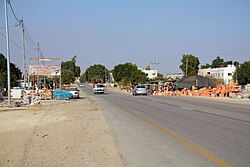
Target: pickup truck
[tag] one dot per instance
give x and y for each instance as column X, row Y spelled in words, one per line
column 98, row 88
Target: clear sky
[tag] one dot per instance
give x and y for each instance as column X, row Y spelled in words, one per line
column 111, row 32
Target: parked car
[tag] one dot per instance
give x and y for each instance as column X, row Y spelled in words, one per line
column 81, row 85
column 98, row 88
column 74, row 91
column 139, row 90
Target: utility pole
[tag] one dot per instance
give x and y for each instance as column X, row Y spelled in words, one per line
column 38, row 51
column 24, row 57
column 186, row 65
column 7, row 49
column 38, row 56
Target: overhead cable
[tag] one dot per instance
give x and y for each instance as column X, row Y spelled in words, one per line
column 29, row 37
column 18, row 46
column 13, row 12
column 10, row 26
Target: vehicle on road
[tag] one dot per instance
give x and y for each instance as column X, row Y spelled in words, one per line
column 98, row 88
column 81, row 85
column 139, row 90
column 74, row 91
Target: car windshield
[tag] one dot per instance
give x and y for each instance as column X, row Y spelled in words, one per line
column 72, row 89
column 141, row 86
column 100, row 86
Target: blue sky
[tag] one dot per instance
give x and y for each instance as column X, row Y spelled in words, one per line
column 111, row 32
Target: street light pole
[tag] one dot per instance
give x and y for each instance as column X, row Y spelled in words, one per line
column 7, row 50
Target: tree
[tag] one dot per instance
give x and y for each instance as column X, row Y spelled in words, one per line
column 128, row 73
column 73, row 59
column 68, row 76
column 70, row 66
column 160, row 77
column 190, row 64
column 148, row 68
column 96, row 72
column 225, row 64
column 205, row 66
column 218, row 62
column 242, row 73
column 77, row 71
column 83, row 78
column 15, row 73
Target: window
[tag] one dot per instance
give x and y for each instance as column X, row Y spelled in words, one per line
column 229, row 74
column 99, row 86
column 208, row 72
column 140, row 86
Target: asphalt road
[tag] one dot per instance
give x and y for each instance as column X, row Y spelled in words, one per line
column 177, row 131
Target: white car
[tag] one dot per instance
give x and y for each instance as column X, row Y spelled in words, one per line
column 74, row 91
column 139, row 90
column 98, row 88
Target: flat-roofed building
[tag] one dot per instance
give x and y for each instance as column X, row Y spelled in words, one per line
column 222, row 73
column 173, row 76
column 152, row 74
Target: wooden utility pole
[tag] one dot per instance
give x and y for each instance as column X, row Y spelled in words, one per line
column 24, row 56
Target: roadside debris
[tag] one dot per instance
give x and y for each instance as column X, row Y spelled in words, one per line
column 23, row 98
column 62, row 94
column 232, row 90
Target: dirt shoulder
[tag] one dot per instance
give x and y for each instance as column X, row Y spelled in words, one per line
column 69, row 133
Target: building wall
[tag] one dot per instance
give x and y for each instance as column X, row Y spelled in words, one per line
column 223, row 73
column 173, row 76
column 151, row 73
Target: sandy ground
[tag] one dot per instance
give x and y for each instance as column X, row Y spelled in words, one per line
column 63, row 133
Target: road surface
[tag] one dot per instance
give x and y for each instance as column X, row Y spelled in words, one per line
column 177, row 131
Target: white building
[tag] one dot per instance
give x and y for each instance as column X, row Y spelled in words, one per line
column 152, row 74
column 222, row 73
column 173, row 76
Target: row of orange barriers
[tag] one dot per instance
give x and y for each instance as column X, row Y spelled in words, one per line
column 220, row 90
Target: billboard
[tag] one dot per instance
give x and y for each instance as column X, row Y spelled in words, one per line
column 47, row 70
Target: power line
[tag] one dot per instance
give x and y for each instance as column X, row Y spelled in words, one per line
column 29, row 43
column 10, row 26
column 19, row 46
column 29, row 37
column 13, row 12
column 235, row 52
